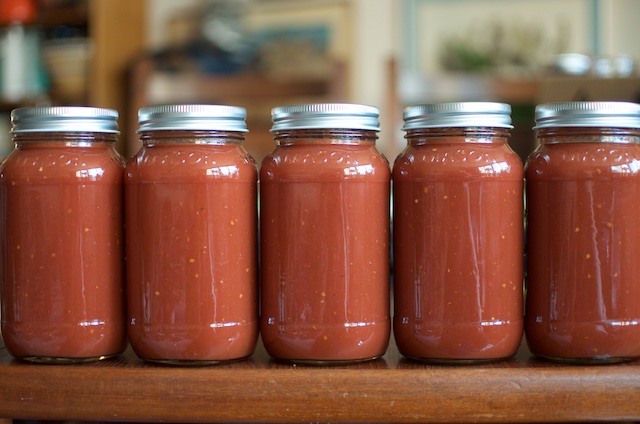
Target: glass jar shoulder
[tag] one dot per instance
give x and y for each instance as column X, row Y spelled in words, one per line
column 328, row 161
column 584, row 159
column 196, row 162
column 458, row 160
column 63, row 162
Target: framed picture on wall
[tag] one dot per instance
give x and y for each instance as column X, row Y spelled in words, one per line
column 512, row 37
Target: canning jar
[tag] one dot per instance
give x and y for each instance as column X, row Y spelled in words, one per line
column 583, row 233
column 458, row 234
column 62, row 230
column 192, row 236
column 324, row 204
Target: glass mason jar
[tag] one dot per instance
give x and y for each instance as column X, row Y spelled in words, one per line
column 324, row 204
column 583, row 233
column 458, row 235
column 62, row 236
column 191, row 198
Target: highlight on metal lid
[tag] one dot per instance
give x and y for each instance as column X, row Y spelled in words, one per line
column 64, row 119
column 192, row 117
column 457, row 114
column 326, row 115
column 588, row 114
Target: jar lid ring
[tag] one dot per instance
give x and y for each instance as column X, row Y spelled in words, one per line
column 457, row 115
column 192, row 117
column 64, row 119
column 345, row 116
column 607, row 114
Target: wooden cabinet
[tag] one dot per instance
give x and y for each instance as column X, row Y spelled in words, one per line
column 115, row 31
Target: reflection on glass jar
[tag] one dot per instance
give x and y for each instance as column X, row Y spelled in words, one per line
column 62, row 236
column 192, row 237
column 325, row 236
column 458, row 235
column 583, row 234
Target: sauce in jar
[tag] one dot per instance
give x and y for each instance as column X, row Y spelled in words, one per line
column 192, row 237
column 458, row 235
column 583, row 233
column 62, row 227
column 325, row 236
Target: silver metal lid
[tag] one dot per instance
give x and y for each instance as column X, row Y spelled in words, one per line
column 588, row 114
column 326, row 115
column 64, row 119
column 457, row 114
column 192, row 117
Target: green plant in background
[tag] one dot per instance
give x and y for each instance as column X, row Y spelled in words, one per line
column 499, row 47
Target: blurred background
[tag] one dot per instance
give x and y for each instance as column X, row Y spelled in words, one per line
column 126, row 54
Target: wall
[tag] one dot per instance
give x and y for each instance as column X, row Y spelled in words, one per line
column 376, row 44
column 375, row 33
column 619, row 30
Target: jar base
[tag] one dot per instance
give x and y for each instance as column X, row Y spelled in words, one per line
column 194, row 362
column 326, row 362
column 603, row 360
column 63, row 360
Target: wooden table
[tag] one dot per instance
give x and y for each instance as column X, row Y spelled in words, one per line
column 391, row 389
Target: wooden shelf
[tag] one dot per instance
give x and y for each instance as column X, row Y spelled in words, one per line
column 56, row 14
column 391, row 389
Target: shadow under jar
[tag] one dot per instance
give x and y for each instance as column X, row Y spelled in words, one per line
column 458, row 235
column 583, row 233
column 324, row 202
column 192, row 238
column 61, row 192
